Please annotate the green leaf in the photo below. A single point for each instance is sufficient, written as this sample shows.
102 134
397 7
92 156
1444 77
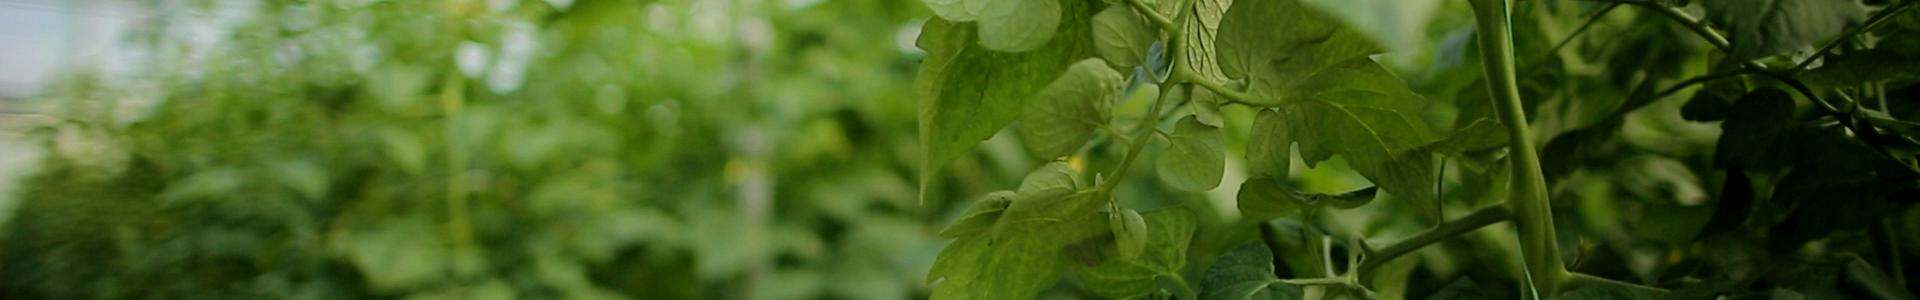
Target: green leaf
1196 159
954 10
1361 112
1121 36
1048 196
1762 28
967 93
1202 29
1267 199
981 216
1270 145
1870 65
1017 266
1394 24
1278 45
1018 25
1246 272
1168 233
1065 114
1482 134
1755 134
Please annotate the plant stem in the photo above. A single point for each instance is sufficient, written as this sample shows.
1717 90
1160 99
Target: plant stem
1576 281
1147 126
1533 215
1470 222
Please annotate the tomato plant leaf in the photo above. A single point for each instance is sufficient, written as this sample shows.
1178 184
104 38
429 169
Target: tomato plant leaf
1246 272
1278 45
1168 233
1121 36
1018 25
1066 113
1358 111
1049 195
954 10
1270 146
967 93
1756 132
978 266
1761 28
1482 134
1196 159
981 216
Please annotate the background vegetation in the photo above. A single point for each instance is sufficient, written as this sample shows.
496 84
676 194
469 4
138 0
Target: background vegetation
701 149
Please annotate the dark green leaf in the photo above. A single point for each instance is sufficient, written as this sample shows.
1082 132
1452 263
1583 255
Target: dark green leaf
967 93
1713 99
1761 28
1196 158
1756 132
1866 66
1168 233
1246 272
1481 135
1121 36
1266 199
1270 145
1065 114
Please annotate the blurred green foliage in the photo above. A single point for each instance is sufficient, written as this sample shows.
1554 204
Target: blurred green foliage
457 149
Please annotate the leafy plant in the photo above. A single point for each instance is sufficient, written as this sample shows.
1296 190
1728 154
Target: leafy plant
1782 187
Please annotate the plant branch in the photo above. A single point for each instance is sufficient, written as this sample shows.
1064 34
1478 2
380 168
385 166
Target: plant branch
1186 290
1577 31
1696 80
1146 128
1576 281
1232 96
1532 213
1470 222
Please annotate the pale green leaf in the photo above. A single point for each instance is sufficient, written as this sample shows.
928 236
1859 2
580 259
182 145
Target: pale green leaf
1018 25
1168 233
1277 45
1196 158
954 10
967 93
1121 36
1048 196
1017 266
981 216
1065 114
1245 273
1762 28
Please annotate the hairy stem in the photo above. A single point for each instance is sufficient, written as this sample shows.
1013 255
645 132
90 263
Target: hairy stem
1532 213
1470 222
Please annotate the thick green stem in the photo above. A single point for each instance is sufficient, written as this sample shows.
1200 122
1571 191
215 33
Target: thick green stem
1532 213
